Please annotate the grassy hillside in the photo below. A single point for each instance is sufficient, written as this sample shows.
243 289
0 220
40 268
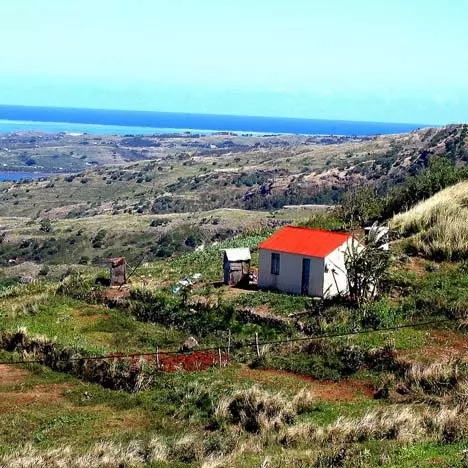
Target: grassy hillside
358 400
275 379
438 227
254 177
94 239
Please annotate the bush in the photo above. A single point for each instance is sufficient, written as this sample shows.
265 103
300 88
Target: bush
378 314
45 225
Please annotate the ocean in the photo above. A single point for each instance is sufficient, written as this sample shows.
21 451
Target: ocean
120 122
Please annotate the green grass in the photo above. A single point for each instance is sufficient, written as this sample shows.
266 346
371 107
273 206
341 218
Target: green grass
93 327
279 303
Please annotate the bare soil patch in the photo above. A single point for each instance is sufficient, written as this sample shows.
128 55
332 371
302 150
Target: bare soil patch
11 375
198 360
41 394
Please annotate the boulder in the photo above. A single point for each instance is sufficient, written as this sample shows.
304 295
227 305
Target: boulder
189 344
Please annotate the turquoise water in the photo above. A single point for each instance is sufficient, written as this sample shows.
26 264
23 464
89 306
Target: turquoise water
9 126
4 176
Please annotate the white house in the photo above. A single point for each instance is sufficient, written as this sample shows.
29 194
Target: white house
305 261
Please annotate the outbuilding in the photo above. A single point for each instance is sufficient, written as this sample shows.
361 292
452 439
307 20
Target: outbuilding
117 267
305 261
236 266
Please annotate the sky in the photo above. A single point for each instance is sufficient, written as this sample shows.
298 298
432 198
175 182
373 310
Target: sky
372 60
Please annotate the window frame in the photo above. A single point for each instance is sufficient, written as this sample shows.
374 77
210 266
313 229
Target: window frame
275 265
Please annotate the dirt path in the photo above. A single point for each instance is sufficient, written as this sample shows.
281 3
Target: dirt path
441 345
11 375
325 390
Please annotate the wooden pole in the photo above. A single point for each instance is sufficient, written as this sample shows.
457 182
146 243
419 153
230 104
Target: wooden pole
257 344
220 359
229 343
157 357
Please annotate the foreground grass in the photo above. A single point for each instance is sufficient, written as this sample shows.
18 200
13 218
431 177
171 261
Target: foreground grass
170 424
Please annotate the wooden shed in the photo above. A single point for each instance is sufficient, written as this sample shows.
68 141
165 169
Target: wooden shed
117 268
236 266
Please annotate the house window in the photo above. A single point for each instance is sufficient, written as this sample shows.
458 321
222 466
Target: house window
275 263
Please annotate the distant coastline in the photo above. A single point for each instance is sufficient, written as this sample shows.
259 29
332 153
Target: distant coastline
119 122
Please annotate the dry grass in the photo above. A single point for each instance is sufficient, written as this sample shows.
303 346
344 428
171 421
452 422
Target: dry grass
256 410
441 383
403 423
438 225
103 454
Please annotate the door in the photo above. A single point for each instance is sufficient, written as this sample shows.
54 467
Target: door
305 276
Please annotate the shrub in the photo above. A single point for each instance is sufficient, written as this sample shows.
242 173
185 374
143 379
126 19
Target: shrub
45 225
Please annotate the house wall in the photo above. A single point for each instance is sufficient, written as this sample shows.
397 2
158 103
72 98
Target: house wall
290 275
335 278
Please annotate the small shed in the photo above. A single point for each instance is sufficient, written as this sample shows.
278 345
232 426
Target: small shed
236 266
117 268
306 261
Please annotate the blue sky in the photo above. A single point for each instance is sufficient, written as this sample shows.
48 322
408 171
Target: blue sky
378 60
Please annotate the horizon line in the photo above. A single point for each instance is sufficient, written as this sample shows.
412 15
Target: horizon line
174 113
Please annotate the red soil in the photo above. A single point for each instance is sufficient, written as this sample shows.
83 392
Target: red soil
11 375
40 394
191 361
197 360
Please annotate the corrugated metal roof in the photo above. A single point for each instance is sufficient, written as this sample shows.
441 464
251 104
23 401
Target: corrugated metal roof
305 241
238 255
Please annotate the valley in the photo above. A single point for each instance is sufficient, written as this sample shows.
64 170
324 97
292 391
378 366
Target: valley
175 368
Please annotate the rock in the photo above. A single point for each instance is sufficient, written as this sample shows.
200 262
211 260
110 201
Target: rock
433 267
189 344
27 280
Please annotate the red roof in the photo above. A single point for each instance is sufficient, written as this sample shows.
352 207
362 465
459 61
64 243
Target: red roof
304 241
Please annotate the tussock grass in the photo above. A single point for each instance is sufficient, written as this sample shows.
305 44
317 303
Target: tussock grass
438 226
188 448
403 423
256 410
439 383
103 454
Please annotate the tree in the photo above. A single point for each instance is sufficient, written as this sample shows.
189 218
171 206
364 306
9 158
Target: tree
360 206
366 266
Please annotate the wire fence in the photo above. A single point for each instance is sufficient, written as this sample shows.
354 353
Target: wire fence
256 344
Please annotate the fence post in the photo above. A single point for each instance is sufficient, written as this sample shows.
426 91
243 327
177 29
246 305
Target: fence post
229 344
257 344
219 356
157 357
